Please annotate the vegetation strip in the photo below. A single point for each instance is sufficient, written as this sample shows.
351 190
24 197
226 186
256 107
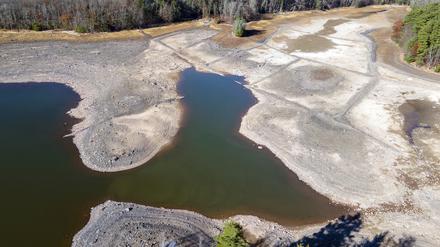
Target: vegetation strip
109 15
419 35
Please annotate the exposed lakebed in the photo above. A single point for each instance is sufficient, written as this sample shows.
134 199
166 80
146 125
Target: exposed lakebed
210 167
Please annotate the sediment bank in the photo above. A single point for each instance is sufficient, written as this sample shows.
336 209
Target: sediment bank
122 85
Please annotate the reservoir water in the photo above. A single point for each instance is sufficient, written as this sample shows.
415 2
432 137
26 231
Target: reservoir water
47 192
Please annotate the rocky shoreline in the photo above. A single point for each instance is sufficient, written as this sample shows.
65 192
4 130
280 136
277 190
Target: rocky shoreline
137 225
128 224
122 86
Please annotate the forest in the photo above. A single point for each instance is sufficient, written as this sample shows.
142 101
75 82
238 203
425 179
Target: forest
419 35
114 15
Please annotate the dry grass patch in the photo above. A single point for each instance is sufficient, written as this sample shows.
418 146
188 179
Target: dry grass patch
162 30
59 35
31 36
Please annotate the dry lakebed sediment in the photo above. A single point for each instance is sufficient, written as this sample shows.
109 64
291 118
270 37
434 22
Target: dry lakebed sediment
354 125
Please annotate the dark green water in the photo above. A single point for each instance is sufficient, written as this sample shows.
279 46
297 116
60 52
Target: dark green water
47 192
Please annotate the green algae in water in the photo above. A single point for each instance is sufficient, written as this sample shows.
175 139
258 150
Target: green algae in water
210 168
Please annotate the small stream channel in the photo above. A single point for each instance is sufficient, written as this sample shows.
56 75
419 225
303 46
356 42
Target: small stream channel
210 168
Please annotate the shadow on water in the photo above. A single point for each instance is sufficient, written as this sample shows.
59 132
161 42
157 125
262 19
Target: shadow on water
342 232
210 168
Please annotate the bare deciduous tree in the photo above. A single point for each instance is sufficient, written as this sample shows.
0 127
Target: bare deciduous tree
110 15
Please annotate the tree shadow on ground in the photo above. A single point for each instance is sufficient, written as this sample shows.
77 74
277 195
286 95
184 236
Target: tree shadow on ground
342 232
336 233
253 32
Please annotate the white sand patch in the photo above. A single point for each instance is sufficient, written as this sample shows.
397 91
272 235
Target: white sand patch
348 55
307 144
146 122
287 32
255 64
312 26
279 40
350 30
335 157
331 100
429 200
422 224
378 114
185 39
266 55
206 52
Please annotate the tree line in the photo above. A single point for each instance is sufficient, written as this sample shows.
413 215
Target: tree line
419 35
113 15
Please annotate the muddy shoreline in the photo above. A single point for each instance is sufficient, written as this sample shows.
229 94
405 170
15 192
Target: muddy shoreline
115 98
